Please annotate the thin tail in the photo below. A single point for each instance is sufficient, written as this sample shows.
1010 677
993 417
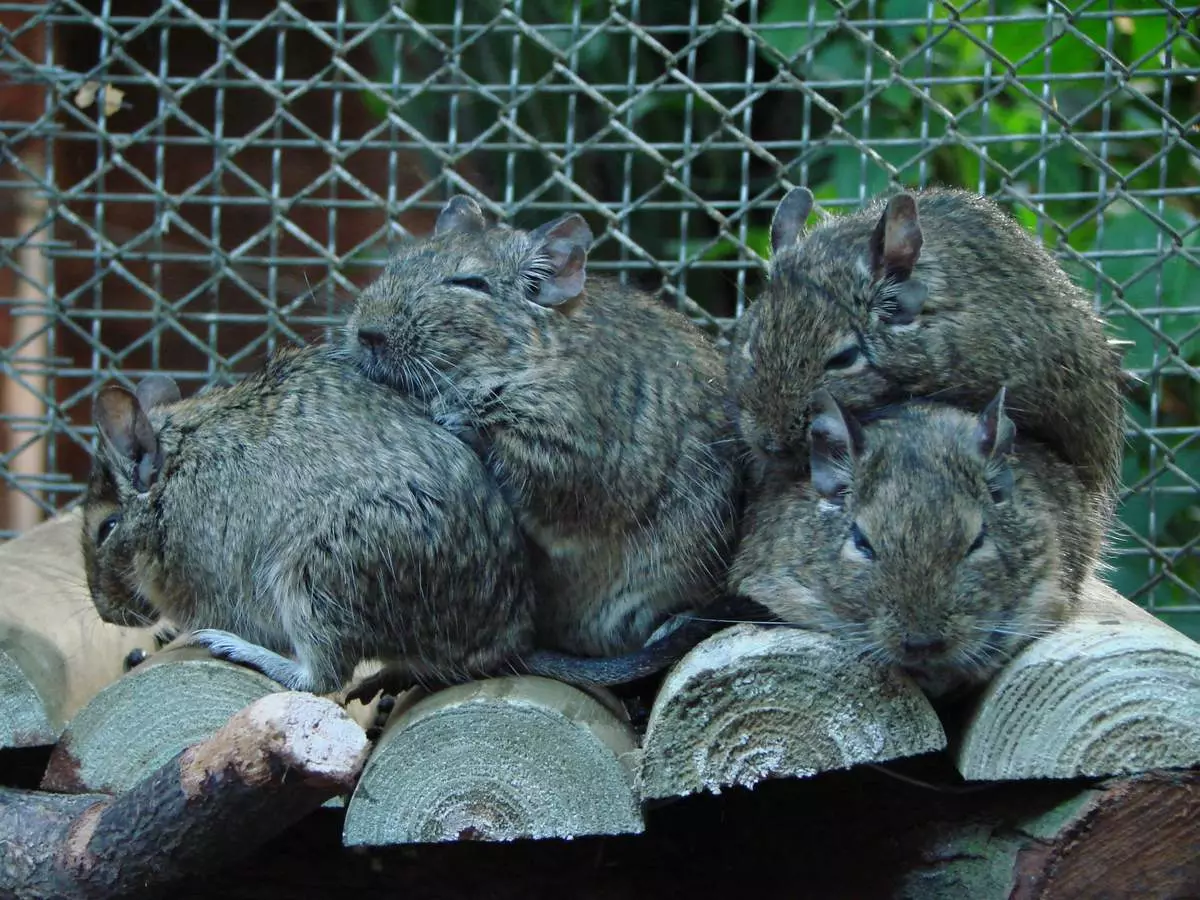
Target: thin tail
605 671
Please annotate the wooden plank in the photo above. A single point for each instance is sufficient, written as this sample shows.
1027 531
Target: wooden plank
754 703
55 652
497 760
1113 692
213 803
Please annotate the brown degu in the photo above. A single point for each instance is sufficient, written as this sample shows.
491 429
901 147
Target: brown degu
927 537
301 520
598 411
936 293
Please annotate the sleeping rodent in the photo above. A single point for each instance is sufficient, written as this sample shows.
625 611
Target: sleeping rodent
598 410
307 518
885 304
926 537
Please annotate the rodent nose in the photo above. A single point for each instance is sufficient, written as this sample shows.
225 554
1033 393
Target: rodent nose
923 644
372 338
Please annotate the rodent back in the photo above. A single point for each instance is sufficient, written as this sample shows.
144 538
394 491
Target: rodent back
929 539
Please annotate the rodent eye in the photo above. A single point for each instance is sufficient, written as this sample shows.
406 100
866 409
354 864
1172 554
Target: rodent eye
106 528
978 542
861 544
471 283
844 359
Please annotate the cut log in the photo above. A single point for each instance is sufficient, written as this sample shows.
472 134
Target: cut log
497 760
1113 692
211 804
174 699
752 703
1131 838
55 652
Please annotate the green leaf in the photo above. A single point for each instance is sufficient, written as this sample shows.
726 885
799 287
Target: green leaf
1139 278
790 41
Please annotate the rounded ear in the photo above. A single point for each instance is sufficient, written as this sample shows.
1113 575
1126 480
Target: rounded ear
996 434
572 228
896 242
995 430
156 390
123 424
557 272
788 222
461 214
835 441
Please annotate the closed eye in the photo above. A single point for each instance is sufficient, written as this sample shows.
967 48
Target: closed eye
861 544
843 359
106 528
471 283
978 542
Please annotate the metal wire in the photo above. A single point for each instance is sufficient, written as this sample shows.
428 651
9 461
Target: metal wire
241 169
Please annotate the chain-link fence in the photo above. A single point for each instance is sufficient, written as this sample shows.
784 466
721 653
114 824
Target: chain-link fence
182 185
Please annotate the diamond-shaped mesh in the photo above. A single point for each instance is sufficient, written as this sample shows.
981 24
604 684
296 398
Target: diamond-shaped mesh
183 185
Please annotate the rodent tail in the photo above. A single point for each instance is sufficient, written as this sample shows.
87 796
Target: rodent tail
605 671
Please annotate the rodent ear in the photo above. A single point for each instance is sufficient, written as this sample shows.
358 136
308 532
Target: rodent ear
896 242
123 424
996 430
835 441
788 222
461 214
156 390
996 434
557 273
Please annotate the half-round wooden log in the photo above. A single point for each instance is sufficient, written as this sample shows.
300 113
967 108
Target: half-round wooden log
752 703
209 805
174 699
55 652
1112 692
497 760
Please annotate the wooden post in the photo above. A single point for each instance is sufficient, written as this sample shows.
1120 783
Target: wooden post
209 805
1112 692
172 700
753 703
497 760
55 652
1131 838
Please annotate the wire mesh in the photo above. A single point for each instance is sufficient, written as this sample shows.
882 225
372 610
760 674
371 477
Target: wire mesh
184 185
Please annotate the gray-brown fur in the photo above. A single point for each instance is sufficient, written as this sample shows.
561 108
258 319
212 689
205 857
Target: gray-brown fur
598 410
984 305
304 512
918 485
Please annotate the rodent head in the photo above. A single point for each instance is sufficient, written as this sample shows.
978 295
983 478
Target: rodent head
827 291
126 464
913 541
466 301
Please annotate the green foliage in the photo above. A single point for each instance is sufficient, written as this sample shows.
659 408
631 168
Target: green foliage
1007 104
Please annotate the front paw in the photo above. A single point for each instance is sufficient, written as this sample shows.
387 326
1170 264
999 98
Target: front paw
227 646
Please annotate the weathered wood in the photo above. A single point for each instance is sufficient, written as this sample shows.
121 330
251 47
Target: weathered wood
753 703
174 699
213 803
1132 838
497 760
55 652
1112 692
